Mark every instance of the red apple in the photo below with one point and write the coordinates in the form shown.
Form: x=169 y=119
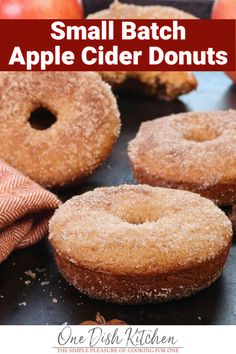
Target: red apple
x=232 y=75
x=225 y=9
x=41 y=9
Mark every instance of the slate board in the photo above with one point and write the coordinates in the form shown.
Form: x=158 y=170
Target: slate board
x=216 y=305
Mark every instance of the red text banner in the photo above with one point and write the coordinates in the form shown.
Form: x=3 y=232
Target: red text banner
x=123 y=45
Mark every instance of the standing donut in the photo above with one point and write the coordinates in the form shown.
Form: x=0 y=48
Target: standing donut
x=140 y=244
x=56 y=127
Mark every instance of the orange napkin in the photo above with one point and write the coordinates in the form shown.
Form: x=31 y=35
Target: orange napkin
x=25 y=209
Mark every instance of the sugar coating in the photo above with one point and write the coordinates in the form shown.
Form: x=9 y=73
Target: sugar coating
x=139 y=230
x=31 y=274
x=188 y=148
x=82 y=137
x=118 y=10
x=136 y=291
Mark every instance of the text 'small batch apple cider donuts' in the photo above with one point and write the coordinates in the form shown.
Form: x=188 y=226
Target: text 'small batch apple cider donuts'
x=117 y=176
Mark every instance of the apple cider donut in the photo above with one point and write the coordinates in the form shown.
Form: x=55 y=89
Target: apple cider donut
x=140 y=244
x=165 y=85
x=56 y=127
x=191 y=151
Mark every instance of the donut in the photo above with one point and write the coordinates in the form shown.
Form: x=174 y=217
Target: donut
x=190 y=151
x=56 y=127
x=139 y=244
x=165 y=85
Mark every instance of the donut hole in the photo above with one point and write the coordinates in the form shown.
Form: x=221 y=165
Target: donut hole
x=201 y=135
x=137 y=218
x=139 y=222
x=136 y=221
x=42 y=118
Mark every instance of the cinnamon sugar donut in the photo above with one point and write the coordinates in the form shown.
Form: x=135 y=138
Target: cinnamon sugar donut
x=165 y=85
x=86 y=124
x=191 y=151
x=139 y=244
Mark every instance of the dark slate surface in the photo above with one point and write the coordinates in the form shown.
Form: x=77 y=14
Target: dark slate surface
x=216 y=305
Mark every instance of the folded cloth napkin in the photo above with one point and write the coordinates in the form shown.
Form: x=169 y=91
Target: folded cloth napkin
x=25 y=209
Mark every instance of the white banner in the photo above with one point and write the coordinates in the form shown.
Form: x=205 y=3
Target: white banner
x=117 y=339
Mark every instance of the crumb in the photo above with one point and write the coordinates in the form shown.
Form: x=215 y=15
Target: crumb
x=109 y=167
x=54 y=300
x=22 y=303
x=40 y=270
x=27 y=282
x=31 y=274
x=199 y=318
x=2 y=296
x=44 y=283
